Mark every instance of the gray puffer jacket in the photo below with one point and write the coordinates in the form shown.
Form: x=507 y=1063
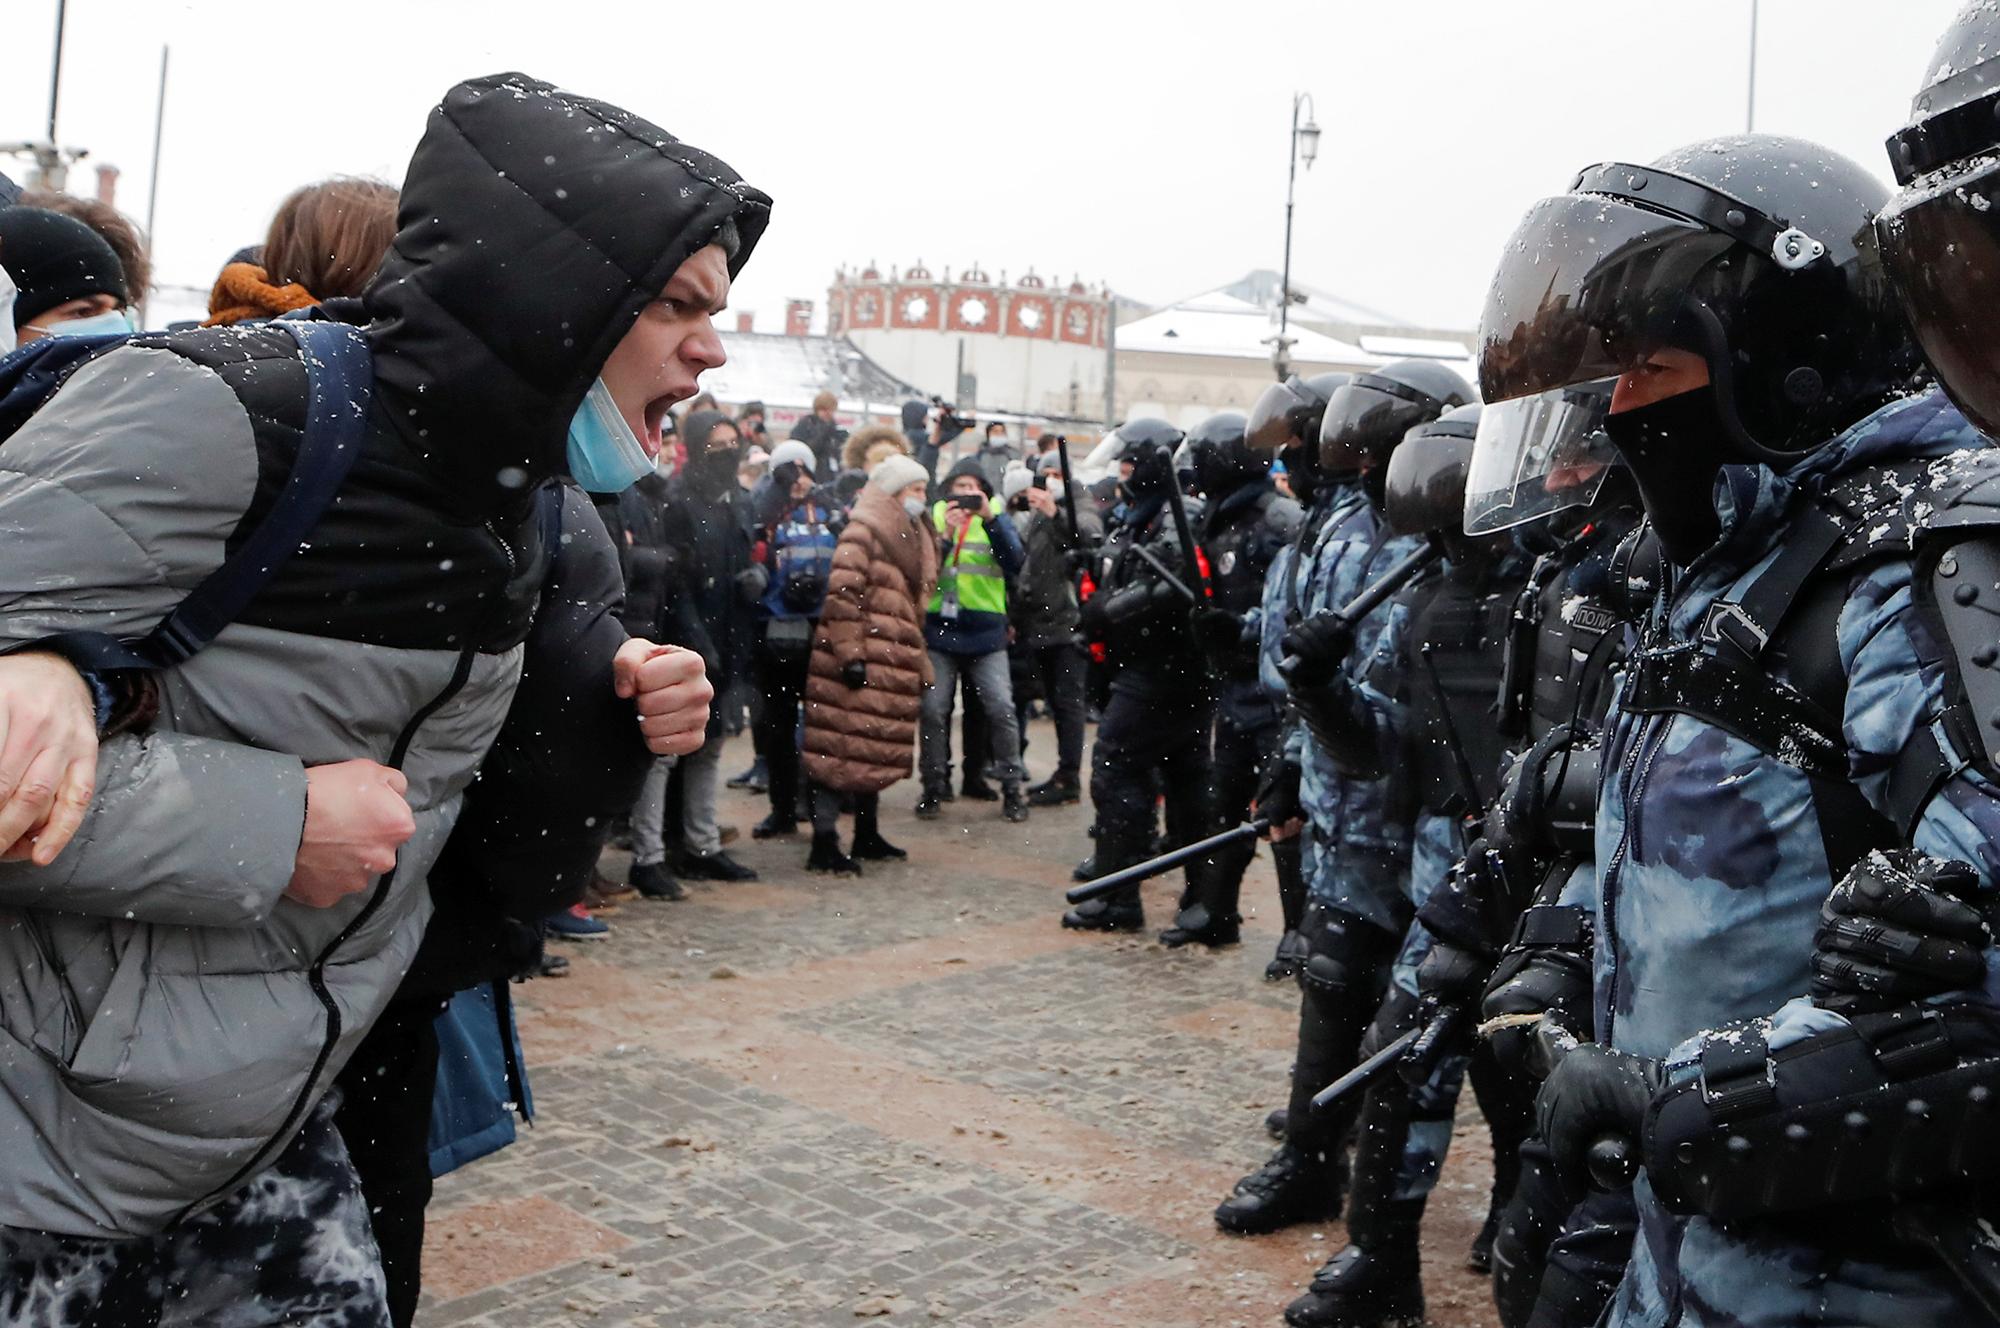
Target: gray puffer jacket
x=167 y=1019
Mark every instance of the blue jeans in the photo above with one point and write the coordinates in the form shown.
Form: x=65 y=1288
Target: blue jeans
x=988 y=677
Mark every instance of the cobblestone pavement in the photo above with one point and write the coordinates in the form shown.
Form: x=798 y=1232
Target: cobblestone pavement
x=908 y=1098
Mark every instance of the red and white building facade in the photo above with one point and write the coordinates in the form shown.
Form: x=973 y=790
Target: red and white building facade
x=1031 y=347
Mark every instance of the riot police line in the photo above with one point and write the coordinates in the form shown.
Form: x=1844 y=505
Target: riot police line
x=1628 y=744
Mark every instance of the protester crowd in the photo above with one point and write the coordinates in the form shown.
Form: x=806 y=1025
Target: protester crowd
x=1619 y=727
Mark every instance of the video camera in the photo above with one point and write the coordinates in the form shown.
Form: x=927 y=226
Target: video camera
x=949 y=420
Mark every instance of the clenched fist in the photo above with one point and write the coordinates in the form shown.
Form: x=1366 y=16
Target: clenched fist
x=357 y=816
x=48 y=755
x=671 y=691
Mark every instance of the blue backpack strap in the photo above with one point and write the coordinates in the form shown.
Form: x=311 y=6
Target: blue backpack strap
x=339 y=383
x=30 y=374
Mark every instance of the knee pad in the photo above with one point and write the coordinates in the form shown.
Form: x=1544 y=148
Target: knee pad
x=1344 y=953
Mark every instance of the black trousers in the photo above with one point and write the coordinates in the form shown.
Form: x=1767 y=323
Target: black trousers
x=781 y=682
x=1246 y=742
x=1060 y=669
x=1149 y=741
x=385 y=1119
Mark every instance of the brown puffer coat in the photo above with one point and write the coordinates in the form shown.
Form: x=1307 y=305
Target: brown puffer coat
x=861 y=740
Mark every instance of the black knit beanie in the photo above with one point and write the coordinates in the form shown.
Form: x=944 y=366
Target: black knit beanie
x=54 y=259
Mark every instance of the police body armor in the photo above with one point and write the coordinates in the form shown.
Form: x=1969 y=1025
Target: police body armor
x=1243 y=534
x=1767 y=670
x=1454 y=667
x=1137 y=614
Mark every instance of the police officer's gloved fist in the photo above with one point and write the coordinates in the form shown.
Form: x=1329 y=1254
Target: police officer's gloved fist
x=1594 y=1093
x=1319 y=644
x=854 y=673
x=1895 y=930
x=1449 y=975
x=1278 y=794
x=1542 y=983
x=1215 y=630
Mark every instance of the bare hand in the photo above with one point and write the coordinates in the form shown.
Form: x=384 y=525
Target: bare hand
x=671 y=690
x=1041 y=501
x=955 y=518
x=1277 y=834
x=48 y=755
x=357 y=816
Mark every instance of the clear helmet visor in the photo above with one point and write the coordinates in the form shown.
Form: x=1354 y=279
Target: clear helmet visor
x=1940 y=242
x=1538 y=455
x=1588 y=288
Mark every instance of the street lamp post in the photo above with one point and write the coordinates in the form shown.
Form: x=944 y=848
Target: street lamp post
x=1304 y=143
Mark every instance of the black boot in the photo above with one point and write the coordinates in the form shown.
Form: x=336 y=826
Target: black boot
x=654 y=881
x=1119 y=912
x=976 y=789
x=1059 y=791
x=1376 y=1282
x=827 y=857
x=1014 y=806
x=1293 y=1186
x=1274 y=1124
x=1085 y=870
x=775 y=826
x=1207 y=913
x=1291 y=953
x=1306 y=1180
x=871 y=847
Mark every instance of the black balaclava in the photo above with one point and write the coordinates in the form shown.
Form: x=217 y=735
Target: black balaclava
x=1675 y=448
x=709 y=472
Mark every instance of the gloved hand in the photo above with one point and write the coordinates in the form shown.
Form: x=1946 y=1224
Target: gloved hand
x=752 y=582
x=1552 y=983
x=854 y=673
x=1895 y=930
x=1277 y=798
x=1449 y=975
x=1594 y=1092
x=1215 y=630
x=1319 y=643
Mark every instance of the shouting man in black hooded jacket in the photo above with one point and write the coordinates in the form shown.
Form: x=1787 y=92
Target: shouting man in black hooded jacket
x=186 y=977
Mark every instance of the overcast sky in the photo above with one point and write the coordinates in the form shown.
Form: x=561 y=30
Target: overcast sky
x=1141 y=145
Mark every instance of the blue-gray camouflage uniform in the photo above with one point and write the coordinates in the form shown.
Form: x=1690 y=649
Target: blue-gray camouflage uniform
x=1714 y=871
x=1357 y=849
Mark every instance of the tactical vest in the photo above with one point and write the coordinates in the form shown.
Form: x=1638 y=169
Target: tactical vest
x=969 y=573
x=1765 y=665
x=1239 y=554
x=1563 y=644
x=1453 y=659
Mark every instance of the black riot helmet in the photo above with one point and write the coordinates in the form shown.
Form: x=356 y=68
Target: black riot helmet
x=1221 y=458
x=1288 y=413
x=1423 y=487
x=1149 y=445
x=1939 y=237
x=1368 y=416
x=1753 y=252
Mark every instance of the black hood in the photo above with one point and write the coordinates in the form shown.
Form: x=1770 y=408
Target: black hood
x=534 y=227
x=969 y=468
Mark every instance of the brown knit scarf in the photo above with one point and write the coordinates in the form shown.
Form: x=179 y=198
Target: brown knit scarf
x=244 y=290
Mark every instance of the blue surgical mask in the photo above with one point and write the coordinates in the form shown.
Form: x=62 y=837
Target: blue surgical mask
x=116 y=323
x=604 y=453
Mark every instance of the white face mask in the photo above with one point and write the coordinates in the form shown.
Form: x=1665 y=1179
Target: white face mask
x=915 y=507
x=7 y=291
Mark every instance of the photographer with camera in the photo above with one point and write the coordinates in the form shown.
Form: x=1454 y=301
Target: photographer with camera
x=819 y=432
x=966 y=629
x=1044 y=610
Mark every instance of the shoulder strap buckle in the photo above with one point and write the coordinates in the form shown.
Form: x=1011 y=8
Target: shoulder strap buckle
x=1730 y=625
